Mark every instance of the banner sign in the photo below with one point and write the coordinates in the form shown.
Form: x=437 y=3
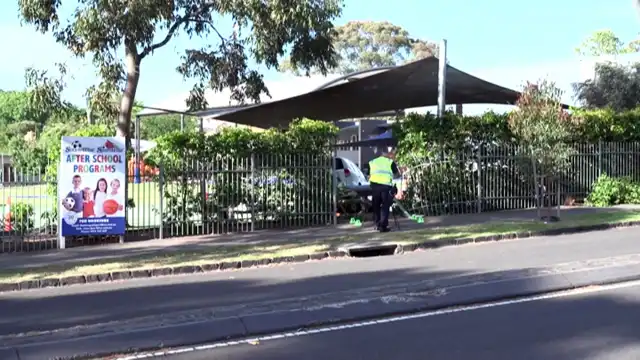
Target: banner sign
x=91 y=180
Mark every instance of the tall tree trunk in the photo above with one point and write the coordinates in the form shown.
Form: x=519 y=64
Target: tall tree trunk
x=132 y=62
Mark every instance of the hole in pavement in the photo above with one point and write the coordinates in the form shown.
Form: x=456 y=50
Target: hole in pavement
x=373 y=251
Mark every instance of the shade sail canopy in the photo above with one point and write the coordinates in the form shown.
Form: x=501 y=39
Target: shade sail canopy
x=408 y=86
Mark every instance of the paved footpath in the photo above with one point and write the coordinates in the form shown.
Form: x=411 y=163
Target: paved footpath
x=198 y=243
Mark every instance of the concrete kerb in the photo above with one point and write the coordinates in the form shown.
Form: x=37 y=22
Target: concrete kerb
x=245 y=264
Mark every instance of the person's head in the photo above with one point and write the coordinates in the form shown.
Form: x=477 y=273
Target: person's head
x=77 y=181
x=101 y=186
x=86 y=194
x=389 y=153
x=115 y=185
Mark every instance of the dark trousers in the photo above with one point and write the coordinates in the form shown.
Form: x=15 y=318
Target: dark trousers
x=382 y=198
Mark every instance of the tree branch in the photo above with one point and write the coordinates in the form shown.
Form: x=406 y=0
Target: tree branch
x=173 y=28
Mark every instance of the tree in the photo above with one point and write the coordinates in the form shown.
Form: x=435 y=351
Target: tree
x=605 y=42
x=19 y=116
x=16 y=106
x=45 y=91
x=615 y=86
x=543 y=130
x=364 y=45
x=263 y=29
x=542 y=126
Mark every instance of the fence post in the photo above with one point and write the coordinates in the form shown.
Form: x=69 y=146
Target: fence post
x=599 y=157
x=62 y=241
x=334 y=186
x=161 y=199
x=253 y=191
x=536 y=184
x=479 y=185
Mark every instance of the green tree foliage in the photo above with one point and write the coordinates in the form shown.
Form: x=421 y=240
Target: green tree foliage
x=15 y=106
x=364 y=45
x=19 y=114
x=614 y=86
x=543 y=128
x=468 y=132
x=455 y=133
x=606 y=125
x=302 y=136
x=45 y=91
x=605 y=42
x=153 y=127
x=27 y=114
x=263 y=30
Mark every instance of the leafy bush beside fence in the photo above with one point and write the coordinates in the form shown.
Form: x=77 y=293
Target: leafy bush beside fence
x=460 y=133
x=505 y=161
x=216 y=183
x=20 y=219
x=492 y=177
x=241 y=180
x=608 y=191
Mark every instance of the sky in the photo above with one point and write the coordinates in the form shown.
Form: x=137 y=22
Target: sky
x=502 y=41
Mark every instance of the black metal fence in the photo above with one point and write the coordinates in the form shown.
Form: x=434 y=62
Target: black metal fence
x=231 y=194
x=268 y=191
x=494 y=178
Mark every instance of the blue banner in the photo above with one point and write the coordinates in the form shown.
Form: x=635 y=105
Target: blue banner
x=91 y=180
x=77 y=226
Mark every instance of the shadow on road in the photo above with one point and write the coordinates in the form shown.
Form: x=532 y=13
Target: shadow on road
x=49 y=309
x=597 y=326
x=574 y=327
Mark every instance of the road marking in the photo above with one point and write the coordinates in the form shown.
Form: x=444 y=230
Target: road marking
x=255 y=341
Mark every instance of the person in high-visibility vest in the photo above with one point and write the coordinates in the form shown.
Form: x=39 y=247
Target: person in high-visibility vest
x=382 y=171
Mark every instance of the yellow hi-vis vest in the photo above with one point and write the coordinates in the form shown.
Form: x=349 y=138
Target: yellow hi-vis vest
x=380 y=171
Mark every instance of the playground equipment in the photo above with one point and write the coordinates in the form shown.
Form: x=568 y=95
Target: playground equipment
x=146 y=172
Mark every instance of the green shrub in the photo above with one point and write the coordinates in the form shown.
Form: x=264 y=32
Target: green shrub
x=607 y=125
x=608 y=191
x=453 y=134
x=22 y=217
x=277 y=175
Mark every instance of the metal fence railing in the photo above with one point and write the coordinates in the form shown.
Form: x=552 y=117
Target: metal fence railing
x=231 y=194
x=493 y=178
x=267 y=191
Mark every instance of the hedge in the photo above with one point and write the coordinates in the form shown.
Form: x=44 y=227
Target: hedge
x=266 y=178
x=464 y=163
x=217 y=167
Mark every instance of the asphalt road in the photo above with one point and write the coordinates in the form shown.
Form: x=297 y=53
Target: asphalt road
x=55 y=308
x=601 y=325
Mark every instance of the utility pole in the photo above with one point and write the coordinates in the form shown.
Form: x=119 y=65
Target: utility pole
x=442 y=78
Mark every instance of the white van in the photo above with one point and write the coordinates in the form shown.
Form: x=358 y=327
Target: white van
x=349 y=174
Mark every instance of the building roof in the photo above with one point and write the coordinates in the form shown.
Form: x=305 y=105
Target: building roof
x=408 y=86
